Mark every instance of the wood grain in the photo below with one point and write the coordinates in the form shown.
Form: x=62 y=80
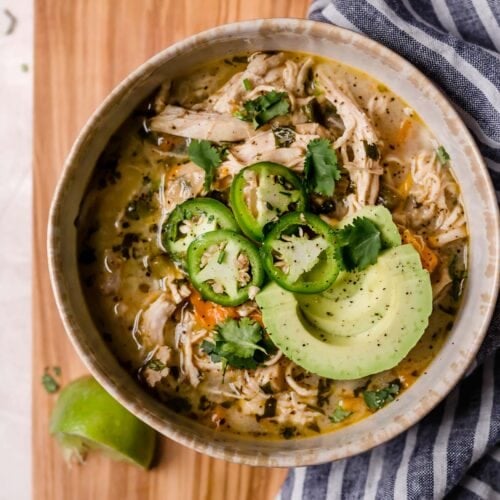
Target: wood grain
x=83 y=48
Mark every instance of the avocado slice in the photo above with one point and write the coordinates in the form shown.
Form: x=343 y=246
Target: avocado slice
x=367 y=322
x=382 y=218
x=358 y=300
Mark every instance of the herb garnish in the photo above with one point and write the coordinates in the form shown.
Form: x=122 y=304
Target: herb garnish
x=289 y=432
x=264 y=108
x=458 y=274
x=284 y=137
x=360 y=244
x=339 y=415
x=156 y=365
x=269 y=409
x=371 y=151
x=240 y=59
x=324 y=390
x=49 y=382
x=325 y=113
x=206 y=156
x=141 y=206
x=237 y=344
x=378 y=399
x=204 y=403
x=442 y=155
x=247 y=84
x=321 y=167
x=267 y=388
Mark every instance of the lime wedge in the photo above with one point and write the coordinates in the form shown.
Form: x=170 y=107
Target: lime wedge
x=86 y=418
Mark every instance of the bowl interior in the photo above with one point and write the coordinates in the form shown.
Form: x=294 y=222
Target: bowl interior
x=478 y=198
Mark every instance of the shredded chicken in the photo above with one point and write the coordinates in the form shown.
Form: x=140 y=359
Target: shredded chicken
x=434 y=210
x=184 y=182
x=299 y=389
x=178 y=291
x=262 y=147
x=297 y=83
x=154 y=319
x=359 y=132
x=162 y=96
x=376 y=106
x=247 y=308
x=201 y=125
x=262 y=69
x=272 y=374
x=184 y=342
x=440 y=285
x=290 y=410
x=156 y=367
x=274 y=359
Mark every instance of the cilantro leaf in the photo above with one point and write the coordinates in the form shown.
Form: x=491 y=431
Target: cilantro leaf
x=442 y=155
x=237 y=343
x=321 y=167
x=360 y=244
x=240 y=338
x=264 y=108
x=339 y=414
x=206 y=156
x=378 y=399
x=211 y=349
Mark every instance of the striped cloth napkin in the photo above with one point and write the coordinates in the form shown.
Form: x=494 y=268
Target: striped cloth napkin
x=454 y=452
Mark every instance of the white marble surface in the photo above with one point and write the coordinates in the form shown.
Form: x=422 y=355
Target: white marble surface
x=16 y=107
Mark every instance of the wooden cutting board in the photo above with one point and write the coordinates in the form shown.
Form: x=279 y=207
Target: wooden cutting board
x=83 y=48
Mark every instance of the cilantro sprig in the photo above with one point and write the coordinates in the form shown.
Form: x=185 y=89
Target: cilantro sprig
x=375 y=400
x=360 y=243
x=239 y=344
x=321 y=167
x=204 y=154
x=264 y=108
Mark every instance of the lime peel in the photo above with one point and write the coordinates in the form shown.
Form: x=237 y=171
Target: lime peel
x=86 y=417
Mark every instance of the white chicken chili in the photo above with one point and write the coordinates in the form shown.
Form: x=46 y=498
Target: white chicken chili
x=274 y=245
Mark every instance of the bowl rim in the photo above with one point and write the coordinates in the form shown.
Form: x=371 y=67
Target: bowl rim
x=63 y=304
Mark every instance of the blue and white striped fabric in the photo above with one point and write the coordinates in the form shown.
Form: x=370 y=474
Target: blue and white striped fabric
x=455 y=451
